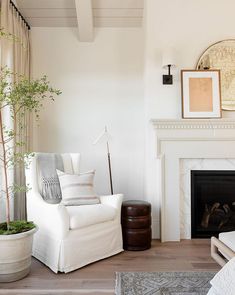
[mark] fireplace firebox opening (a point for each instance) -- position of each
(212, 202)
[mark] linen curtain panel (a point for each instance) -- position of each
(15, 54)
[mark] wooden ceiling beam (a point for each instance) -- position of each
(85, 20)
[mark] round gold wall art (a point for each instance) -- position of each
(221, 56)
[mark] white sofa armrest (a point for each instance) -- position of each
(53, 218)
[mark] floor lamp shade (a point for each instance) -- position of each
(105, 137)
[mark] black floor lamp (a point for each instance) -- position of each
(105, 137)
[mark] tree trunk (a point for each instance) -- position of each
(4, 158)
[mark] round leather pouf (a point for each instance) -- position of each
(136, 225)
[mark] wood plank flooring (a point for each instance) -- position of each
(99, 278)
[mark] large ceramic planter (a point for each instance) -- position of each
(15, 255)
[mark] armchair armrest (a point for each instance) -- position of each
(113, 201)
(53, 218)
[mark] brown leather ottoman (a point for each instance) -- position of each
(136, 225)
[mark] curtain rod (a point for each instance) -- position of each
(28, 26)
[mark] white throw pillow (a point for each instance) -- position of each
(223, 282)
(77, 189)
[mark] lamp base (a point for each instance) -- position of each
(167, 79)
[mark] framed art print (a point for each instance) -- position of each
(201, 95)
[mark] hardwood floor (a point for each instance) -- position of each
(99, 278)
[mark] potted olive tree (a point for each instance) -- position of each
(16, 99)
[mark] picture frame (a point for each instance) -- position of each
(201, 94)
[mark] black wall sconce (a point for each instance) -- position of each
(168, 62)
(167, 79)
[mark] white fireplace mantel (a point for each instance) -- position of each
(186, 139)
(193, 124)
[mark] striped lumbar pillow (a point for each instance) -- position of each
(77, 189)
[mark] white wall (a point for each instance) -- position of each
(102, 84)
(189, 26)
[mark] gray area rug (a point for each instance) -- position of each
(163, 283)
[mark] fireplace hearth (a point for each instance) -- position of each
(212, 202)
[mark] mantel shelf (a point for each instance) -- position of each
(193, 123)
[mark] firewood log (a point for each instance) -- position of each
(207, 213)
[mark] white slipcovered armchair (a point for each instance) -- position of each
(72, 236)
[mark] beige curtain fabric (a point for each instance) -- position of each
(15, 54)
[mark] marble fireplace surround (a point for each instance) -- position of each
(182, 146)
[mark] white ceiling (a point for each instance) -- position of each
(62, 13)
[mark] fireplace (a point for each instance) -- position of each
(212, 202)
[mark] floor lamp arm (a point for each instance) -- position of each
(110, 170)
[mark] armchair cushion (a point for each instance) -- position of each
(86, 215)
